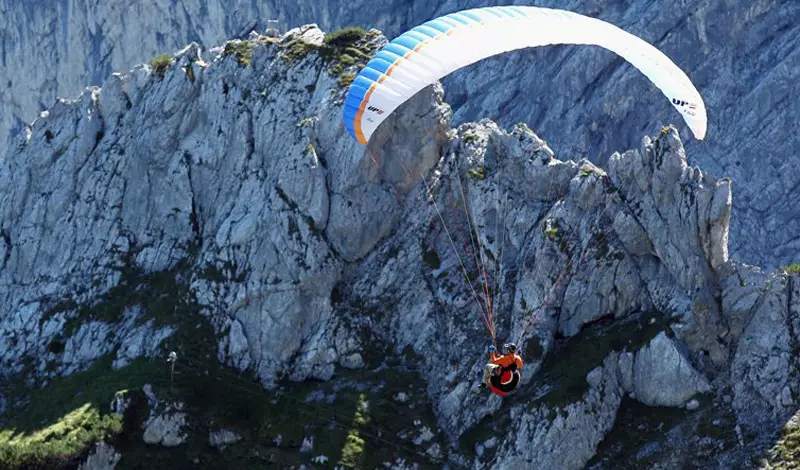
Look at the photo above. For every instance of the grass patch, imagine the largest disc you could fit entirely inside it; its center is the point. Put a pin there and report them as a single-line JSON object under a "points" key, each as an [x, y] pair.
{"points": [[297, 49], [341, 50], [345, 36], [353, 420], [60, 443], [791, 270], [356, 54], [346, 79], [243, 50], [477, 173], [56, 426], [469, 138], [586, 171], [160, 64], [523, 129], [785, 454], [157, 293], [353, 450], [552, 230], [60, 423]]}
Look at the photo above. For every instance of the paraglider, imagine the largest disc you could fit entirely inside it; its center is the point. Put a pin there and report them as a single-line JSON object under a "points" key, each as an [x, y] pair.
{"points": [[426, 53], [502, 374]]}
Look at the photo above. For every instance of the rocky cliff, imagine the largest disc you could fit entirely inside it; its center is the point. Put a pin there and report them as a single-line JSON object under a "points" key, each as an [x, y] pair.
{"points": [[323, 299], [743, 57]]}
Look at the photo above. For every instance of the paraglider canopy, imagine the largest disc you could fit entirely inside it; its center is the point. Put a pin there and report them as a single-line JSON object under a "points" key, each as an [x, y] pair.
{"points": [[426, 53]]}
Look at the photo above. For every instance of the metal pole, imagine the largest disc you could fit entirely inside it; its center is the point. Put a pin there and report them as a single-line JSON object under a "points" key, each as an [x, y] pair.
{"points": [[172, 358]]}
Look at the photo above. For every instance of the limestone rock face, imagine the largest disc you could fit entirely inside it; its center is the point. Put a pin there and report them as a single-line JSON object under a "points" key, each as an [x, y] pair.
{"points": [[663, 377], [586, 101], [166, 422], [223, 438], [104, 457], [764, 366], [165, 429]]}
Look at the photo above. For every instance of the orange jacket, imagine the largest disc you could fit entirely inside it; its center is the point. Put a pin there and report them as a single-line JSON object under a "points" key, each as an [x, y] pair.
{"points": [[505, 360]]}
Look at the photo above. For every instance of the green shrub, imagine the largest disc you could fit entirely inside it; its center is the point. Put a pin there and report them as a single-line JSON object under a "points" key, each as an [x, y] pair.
{"points": [[469, 138], [345, 37], [160, 64], [189, 72], [242, 49], [61, 422], [296, 49], [346, 79]]}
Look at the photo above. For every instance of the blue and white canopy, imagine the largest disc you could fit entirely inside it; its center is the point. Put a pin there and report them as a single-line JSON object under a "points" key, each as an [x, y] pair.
{"points": [[428, 52]]}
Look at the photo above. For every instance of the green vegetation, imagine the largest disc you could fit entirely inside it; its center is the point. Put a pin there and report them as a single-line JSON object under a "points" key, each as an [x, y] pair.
{"points": [[551, 230], [586, 171], [160, 64], [477, 173], [785, 454], [305, 122], [156, 293], [242, 49], [346, 79], [353, 451], [341, 50], [357, 54], [189, 72], [469, 137], [354, 421], [71, 435], [791, 270], [345, 36], [296, 49], [523, 129], [346, 48], [57, 425]]}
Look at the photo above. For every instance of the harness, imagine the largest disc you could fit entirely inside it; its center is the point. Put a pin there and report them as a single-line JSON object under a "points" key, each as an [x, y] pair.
{"points": [[506, 381]]}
